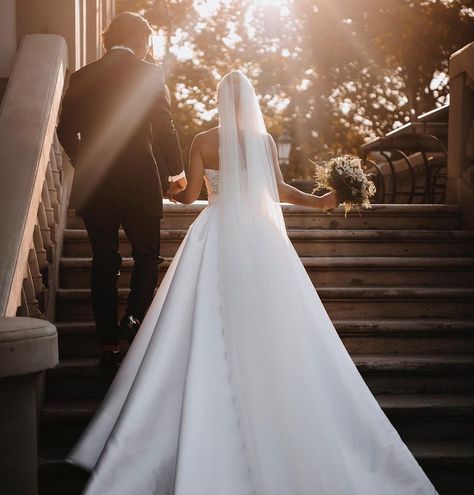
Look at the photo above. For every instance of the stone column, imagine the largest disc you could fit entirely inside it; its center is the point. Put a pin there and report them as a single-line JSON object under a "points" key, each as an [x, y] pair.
{"points": [[83, 28], [80, 22], [93, 23], [109, 6], [8, 44], [460, 184], [27, 347]]}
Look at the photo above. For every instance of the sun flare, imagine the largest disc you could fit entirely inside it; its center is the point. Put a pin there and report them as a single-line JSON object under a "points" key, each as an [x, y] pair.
{"points": [[271, 3], [207, 8]]}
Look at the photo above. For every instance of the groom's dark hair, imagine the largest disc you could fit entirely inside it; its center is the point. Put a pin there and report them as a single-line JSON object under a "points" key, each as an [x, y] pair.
{"points": [[128, 29]]}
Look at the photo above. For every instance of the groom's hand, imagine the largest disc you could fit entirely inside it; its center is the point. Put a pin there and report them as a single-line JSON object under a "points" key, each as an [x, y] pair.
{"points": [[176, 187]]}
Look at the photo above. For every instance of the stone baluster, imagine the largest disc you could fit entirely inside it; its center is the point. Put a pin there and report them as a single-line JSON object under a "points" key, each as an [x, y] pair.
{"points": [[23, 308], [35, 272], [53, 193], [45, 232], [41, 255], [29, 289], [58, 152], [49, 210], [56, 173]]}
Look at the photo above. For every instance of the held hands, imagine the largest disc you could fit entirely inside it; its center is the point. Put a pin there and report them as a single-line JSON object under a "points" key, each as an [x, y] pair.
{"points": [[176, 187]]}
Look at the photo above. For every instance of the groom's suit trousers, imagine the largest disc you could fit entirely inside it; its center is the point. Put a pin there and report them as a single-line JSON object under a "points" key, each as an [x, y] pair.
{"points": [[143, 231]]}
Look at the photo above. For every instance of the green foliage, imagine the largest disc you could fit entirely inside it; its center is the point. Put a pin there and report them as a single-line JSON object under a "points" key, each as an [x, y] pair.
{"points": [[336, 72]]}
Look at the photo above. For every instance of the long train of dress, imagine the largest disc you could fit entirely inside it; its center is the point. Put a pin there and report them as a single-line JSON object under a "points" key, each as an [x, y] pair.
{"points": [[169, 423]]}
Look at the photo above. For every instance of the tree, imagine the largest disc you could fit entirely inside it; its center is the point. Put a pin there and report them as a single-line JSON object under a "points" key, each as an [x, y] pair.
{"points": [[335, 72]]}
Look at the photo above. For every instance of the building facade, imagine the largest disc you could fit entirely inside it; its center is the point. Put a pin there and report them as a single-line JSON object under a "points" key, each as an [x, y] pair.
{"points": [[80, 22]]}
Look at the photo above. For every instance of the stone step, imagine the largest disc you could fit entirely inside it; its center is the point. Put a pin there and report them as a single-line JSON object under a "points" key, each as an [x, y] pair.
{"points": [[320, 242], [448, 464], [82, 378], [326, 271], [441, 216], [79, 339], [440, 416], [56, 477], [340, 302]]}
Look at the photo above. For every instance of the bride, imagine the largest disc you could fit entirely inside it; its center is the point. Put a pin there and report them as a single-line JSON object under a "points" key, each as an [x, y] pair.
{"points": [[237, 382]]}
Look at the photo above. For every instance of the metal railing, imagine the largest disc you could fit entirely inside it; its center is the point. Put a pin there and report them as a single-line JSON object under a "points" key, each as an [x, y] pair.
{"points": [[410, 163]]}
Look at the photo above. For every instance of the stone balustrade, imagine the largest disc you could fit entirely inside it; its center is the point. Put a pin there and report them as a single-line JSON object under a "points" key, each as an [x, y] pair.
{"points": [[35, 180]]}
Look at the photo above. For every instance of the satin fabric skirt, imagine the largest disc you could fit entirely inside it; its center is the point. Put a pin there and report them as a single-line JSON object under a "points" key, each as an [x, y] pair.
{"points": [[169, 422]]}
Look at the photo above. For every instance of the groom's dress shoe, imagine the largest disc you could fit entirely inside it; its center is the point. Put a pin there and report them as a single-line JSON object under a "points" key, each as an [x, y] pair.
{"points": [[129, 328], [110, 360]]}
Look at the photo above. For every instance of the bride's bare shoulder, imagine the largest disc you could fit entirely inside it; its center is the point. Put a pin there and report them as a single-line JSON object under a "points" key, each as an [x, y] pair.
{"points": [[207, 136], [207, 140], [207, 144]]}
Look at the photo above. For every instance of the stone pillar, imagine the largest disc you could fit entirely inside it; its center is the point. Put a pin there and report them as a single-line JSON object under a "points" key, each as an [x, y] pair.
{"points": [[460, 183], [8, 43], [94, 29], [108, 7], [27, 347], [18, 453], [80, 22], [53, 17], [83, 29]]}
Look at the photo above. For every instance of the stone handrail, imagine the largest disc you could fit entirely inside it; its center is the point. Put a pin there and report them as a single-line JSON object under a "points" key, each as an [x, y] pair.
{"points": [[33, 188], [27, 345]]}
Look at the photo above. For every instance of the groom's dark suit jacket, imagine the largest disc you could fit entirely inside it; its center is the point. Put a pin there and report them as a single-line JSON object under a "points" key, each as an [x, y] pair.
{"points": [[115, 126]]}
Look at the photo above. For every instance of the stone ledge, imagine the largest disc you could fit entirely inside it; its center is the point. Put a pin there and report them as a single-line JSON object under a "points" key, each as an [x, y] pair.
{"points": [[27, 345], [80, 235], [375, 209]]}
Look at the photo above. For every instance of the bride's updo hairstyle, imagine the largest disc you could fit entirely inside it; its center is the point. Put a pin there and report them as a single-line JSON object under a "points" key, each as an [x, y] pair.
{"points": [[236, 103], [231, 78], [246, 172], [230, 87]]}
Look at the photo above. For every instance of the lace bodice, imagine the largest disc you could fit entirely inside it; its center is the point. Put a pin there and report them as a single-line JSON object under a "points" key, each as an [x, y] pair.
{"points": [[211, 179]]}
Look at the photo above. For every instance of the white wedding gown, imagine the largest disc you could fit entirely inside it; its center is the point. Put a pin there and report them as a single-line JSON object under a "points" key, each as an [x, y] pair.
{"points": [[169, 426], [241, 390]]}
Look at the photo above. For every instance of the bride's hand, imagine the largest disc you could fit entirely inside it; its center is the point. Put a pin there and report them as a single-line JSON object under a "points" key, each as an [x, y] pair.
{"points": [[169, 196], [330, 201], [176, 187]]}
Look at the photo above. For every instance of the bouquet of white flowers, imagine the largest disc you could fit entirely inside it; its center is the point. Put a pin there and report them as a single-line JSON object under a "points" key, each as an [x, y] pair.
{"points": [[345, 175]]}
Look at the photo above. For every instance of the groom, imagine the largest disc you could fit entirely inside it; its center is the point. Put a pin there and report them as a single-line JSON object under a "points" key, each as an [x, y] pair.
{"points": [[115, 125]]}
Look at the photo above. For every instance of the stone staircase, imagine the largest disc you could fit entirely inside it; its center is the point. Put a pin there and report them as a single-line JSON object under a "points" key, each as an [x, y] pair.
{"points": [[398, 282]]}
